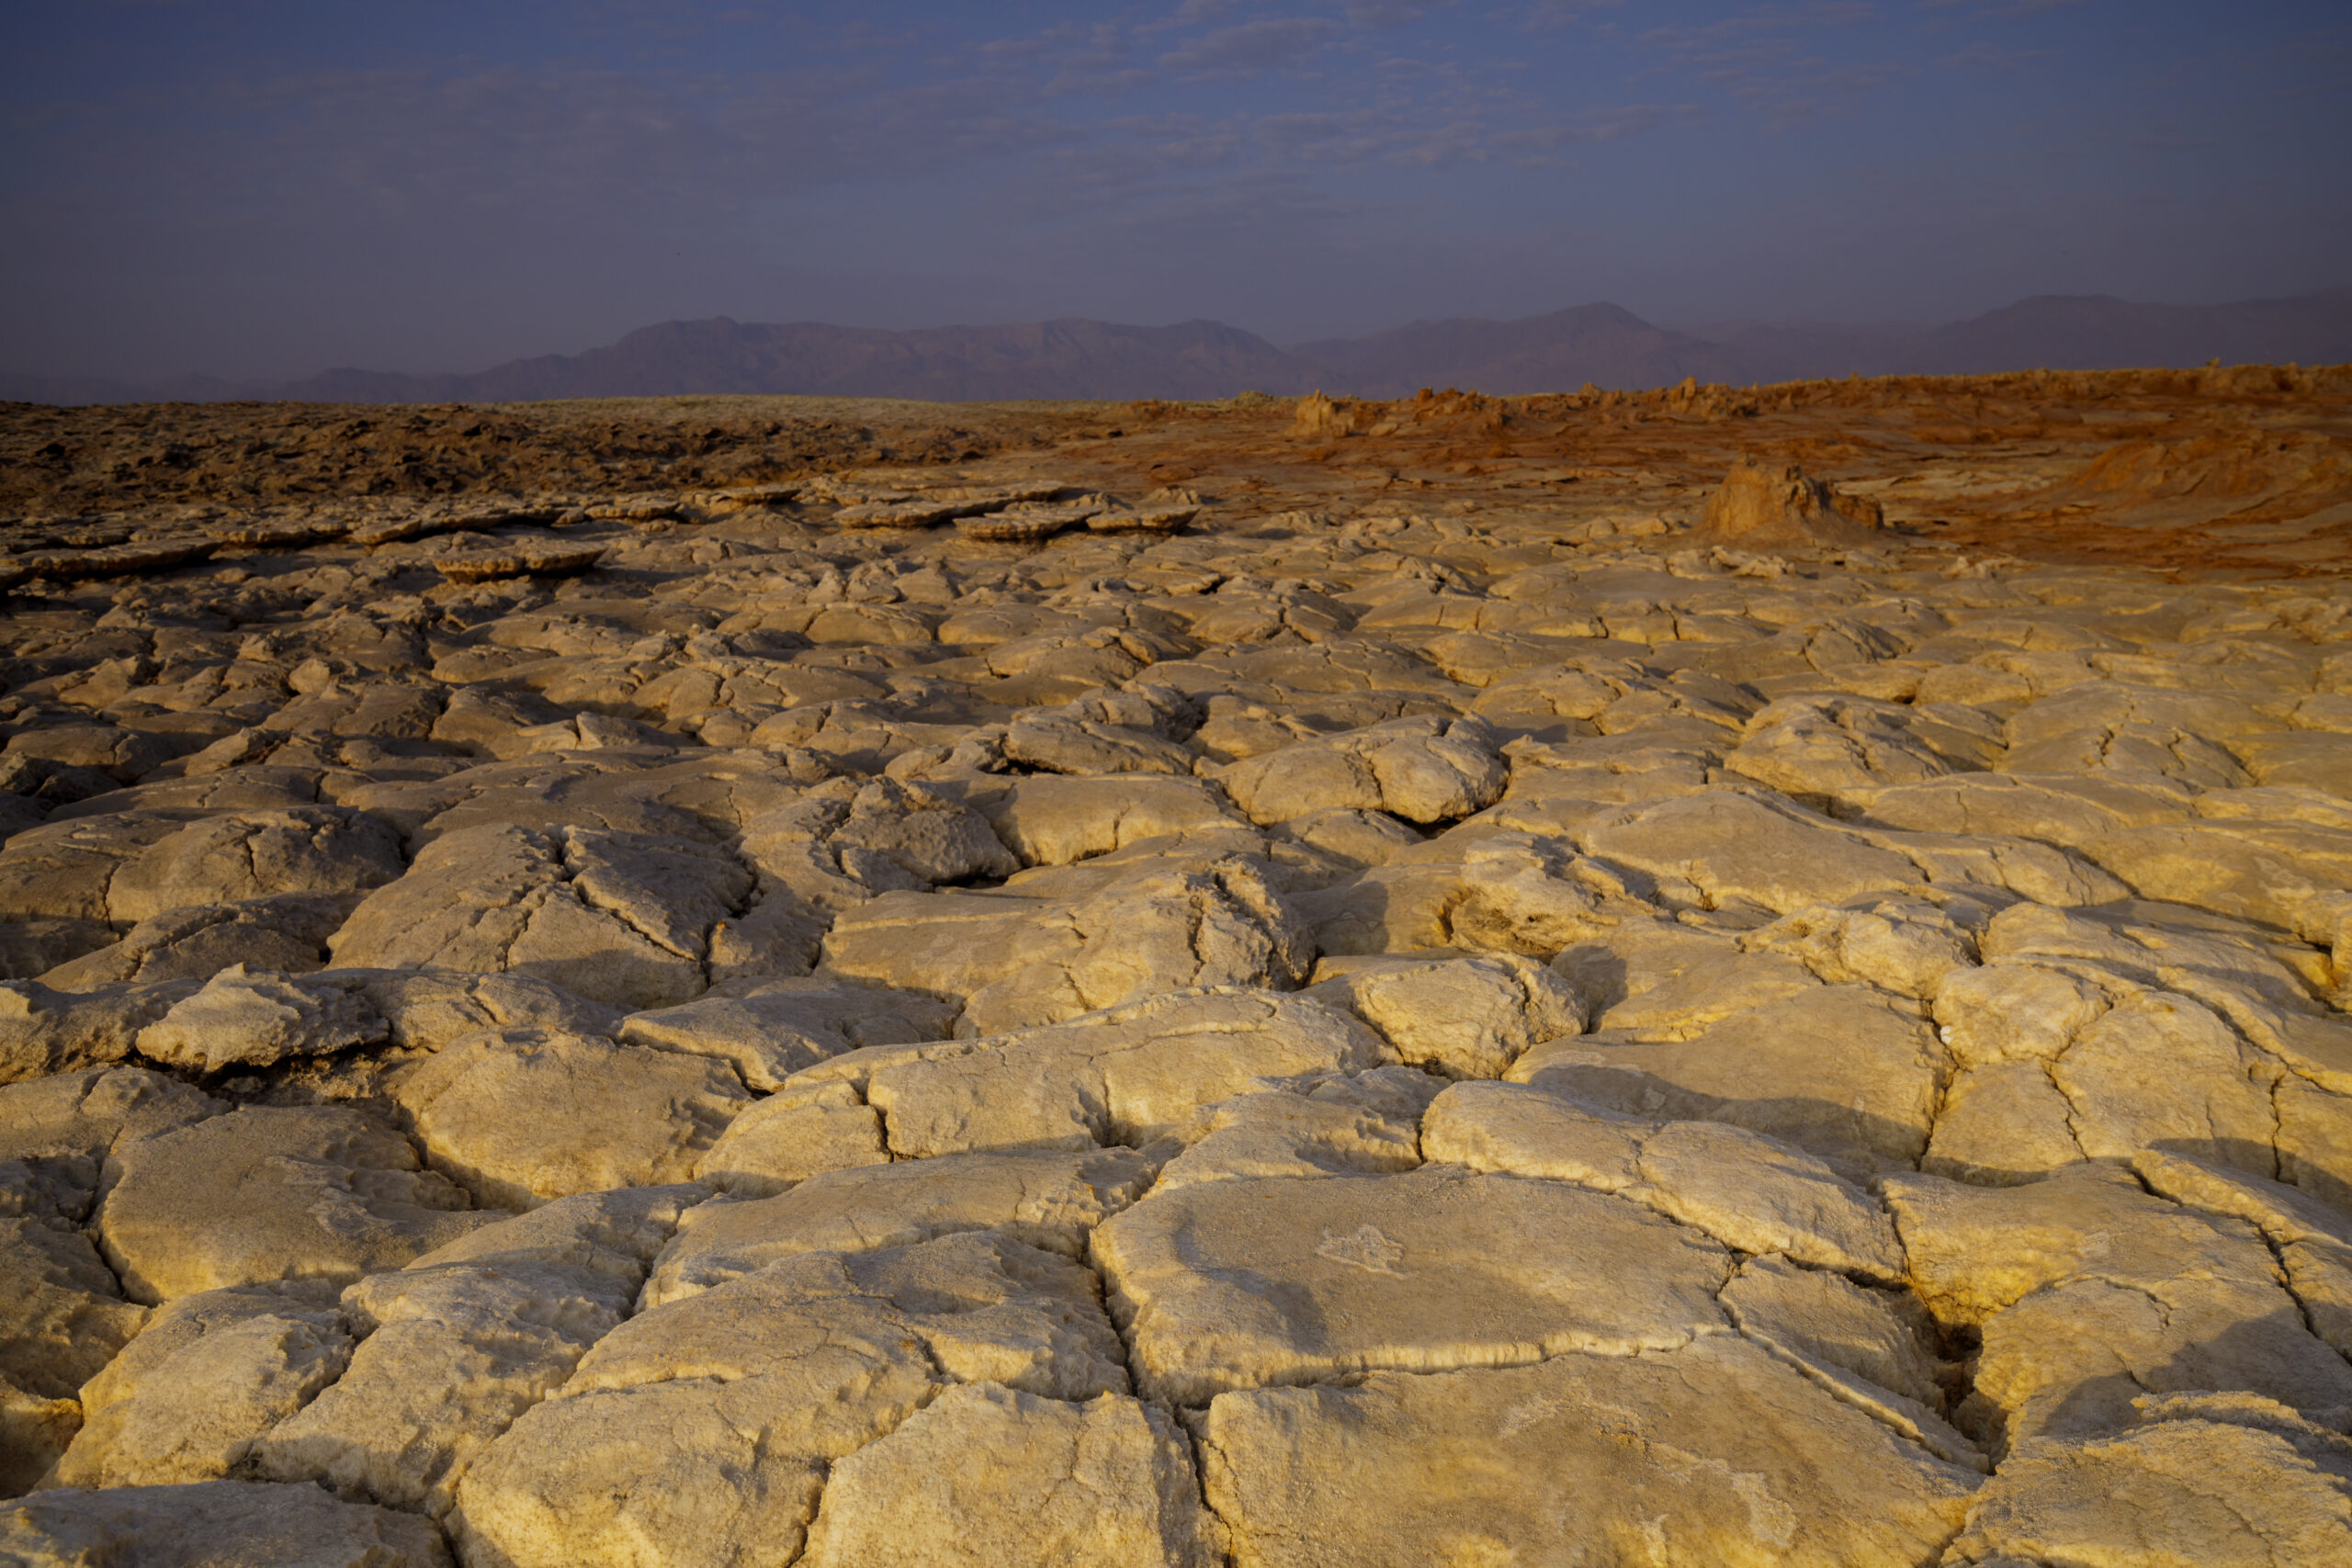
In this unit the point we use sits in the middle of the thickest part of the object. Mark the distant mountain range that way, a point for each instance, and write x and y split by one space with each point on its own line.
1599 344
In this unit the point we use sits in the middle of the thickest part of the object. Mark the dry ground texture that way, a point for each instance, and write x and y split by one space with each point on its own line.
1743 976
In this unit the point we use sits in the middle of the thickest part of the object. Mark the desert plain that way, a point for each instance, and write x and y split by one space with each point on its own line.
1725 976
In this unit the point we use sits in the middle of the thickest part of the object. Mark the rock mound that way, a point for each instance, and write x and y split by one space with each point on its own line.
1782 505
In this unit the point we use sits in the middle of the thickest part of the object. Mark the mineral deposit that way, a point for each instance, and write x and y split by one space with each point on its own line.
1709 976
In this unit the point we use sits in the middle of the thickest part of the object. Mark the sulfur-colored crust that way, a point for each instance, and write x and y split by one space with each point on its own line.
1718 976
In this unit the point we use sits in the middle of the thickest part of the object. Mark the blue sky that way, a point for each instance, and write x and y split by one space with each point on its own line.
266 189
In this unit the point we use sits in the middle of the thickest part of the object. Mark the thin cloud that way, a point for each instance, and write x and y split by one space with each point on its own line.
191 197
1553 15
1768 22
1763 58
1992 57
1389 12
1998 7
1246 48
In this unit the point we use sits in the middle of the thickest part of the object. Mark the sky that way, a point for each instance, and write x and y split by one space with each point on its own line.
256 190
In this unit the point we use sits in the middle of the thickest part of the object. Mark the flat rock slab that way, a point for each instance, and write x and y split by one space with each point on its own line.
894 514
211 1375
284 932
1714 1452
62 1320
1362 1126
1423 769
59 1129
2313 1242
985 1474
467 1338
1237 1284
1025 522
253 854
519 1116
214 1524
1843 1072
1468 1017
1747 1190
243 1019
1875 1348
791 1136
2213 1492
1048 819
2089 1293
57 1033
1018 961
1506 893
552 559
769 1029
1129 1074
620 917
1733 845
264 1193
1051 1200
742 1394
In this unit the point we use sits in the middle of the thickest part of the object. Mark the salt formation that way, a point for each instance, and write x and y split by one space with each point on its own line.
1009 1014
1784 505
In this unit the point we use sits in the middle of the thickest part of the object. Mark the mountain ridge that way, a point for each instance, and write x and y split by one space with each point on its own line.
1077 358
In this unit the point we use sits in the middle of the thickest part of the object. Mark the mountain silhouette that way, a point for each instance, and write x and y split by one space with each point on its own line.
1601 343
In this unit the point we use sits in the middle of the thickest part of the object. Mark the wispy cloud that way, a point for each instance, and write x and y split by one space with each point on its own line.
1999 7
1551 16
1763 58
1269 43
1391 13
1761 22
1992 57
1071 60
175 163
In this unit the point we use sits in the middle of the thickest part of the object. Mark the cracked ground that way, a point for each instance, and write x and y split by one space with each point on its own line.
752 981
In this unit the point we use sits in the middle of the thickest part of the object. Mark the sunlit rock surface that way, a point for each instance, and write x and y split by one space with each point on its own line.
1425 984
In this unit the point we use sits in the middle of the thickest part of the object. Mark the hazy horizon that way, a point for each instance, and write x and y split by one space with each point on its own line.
259 192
